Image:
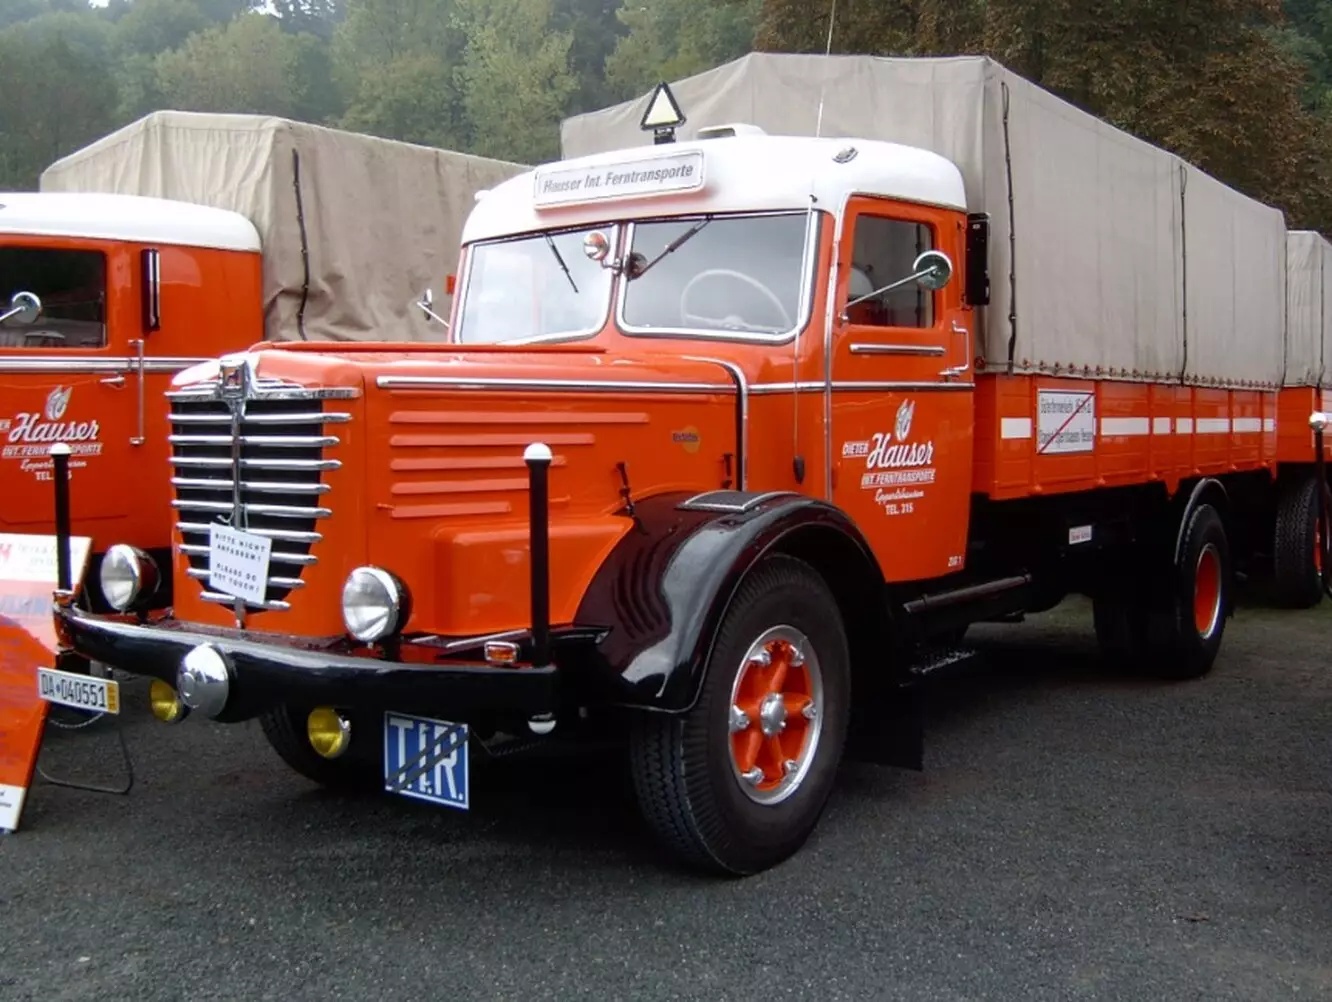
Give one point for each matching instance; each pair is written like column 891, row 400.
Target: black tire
column 1151, row 626
column 358, row 768
column 682, row 767
column 1296, row 581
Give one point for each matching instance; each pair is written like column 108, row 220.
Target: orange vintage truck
column 174, row 240
column 730, row 438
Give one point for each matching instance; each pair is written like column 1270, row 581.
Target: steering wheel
column 732, row 321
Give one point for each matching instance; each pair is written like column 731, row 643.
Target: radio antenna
column 823, row 85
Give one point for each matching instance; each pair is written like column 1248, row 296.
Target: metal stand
column 60, row 453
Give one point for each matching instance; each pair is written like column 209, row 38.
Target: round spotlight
column 165, row 703
column 329, row 732
column 127, row 575
column 373, row 604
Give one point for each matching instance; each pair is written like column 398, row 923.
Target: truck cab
column 103, row 298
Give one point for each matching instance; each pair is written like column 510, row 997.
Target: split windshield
column 719, row 275
column 71, row 285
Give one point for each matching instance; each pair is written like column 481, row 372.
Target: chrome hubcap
column 774, row 718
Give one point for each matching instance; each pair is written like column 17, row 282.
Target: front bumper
column 263, row 675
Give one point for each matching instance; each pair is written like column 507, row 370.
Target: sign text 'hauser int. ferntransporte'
column 658, row 175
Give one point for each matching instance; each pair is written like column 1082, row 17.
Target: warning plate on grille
column 238, row 562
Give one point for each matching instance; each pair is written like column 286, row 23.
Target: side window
column 883, row 253
column 71, row 285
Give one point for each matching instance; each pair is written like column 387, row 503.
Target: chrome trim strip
column 271, row 441
column 290, row 465
column 231, row 600
column 742, row 385
column 202, row 573
column 312, row 417
column 874, row 348
column 276, row 557
column 205, row 391
column 287, row 535
column 93, row 364
column 810, row 386
column 272, row 510
column 258, row 486
column 543, row 385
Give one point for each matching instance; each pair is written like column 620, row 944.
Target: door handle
column 954, row 371
column 117, row 380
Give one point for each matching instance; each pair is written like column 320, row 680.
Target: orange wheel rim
column 775, row 715
column 1207, row 592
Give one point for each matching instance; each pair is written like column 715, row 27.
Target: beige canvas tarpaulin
column 380, row 220
column 1308, row 308
column 1091, row 252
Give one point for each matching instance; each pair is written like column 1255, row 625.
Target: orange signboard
column 27, row 641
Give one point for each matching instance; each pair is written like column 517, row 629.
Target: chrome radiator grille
column 259, row 468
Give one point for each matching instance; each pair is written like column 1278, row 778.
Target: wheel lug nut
column 809, row 712
column 788, row 766
column 754, row 776
column 739, row 720
column 797, row 657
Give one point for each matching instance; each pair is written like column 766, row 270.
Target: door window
column 71, row 285
column 883, row 252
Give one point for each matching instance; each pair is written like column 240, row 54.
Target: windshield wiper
column 558, row 257
column 671, row 247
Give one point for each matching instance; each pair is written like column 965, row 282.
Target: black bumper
column 267, row 674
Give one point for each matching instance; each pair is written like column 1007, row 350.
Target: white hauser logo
column 32, row 433
column 893, row 462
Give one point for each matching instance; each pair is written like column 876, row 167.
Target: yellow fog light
column 165, row 704
column 329, row 732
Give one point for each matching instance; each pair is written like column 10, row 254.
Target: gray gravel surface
column 1073, row 836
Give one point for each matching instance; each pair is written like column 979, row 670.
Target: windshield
column 71, row 285
column 737, row 274
column 537, row 288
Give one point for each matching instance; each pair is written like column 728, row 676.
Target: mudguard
column 662, row 593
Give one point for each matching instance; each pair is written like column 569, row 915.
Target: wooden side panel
column 1043, row 435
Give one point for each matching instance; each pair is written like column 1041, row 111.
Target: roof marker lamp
column 128, row 576
column 374, row 604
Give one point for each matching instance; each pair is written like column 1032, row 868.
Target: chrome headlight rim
column 141, row 576
column 394, row 599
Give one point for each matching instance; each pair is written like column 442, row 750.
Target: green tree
column 247, row 65
column 153, row 26
column 676, row 38
column 515, row 76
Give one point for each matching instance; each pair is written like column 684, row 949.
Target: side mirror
column 24, row 308
column 934, row 269
column 427, row 306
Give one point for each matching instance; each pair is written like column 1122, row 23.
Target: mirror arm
column 425, row 308
column 13, row 312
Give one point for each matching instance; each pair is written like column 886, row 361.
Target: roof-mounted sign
column 672, row 174
column 663, row 115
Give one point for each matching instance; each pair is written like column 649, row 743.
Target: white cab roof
column 133, row 218
column 742, row 173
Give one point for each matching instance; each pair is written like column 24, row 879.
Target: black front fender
column 663, row 591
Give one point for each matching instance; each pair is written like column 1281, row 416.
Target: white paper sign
column 33, row 558
column 659, row 175
column 238, row 562
column 1065, row 421
column 11, row 806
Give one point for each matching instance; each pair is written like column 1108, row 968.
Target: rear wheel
column 738, row 783
column 358, row 768
column 1170, row 624
column 1296, row 554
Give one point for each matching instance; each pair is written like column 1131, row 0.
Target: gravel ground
column 1073, row 836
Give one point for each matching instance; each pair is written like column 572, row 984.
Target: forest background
column 1242, row 88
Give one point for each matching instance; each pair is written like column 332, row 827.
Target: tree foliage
column 1243, row 88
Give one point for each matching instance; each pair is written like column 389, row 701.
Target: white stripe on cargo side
column 1269, row 424
column 1248, row 425
column 1184, row 426
column 1015, row 427
column 1213, row 426
column 1125, row 426
column 1161, row 426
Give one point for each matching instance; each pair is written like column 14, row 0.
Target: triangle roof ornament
column 662, row 115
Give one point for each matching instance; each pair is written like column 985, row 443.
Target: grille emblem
column 236, row 379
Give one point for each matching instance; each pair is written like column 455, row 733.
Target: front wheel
column 738, row 783
column 358, row 768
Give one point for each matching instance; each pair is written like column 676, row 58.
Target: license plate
column 82, row 692
column 426, row 759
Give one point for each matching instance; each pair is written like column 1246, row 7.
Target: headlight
column 373, row 604
column 127, row 575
